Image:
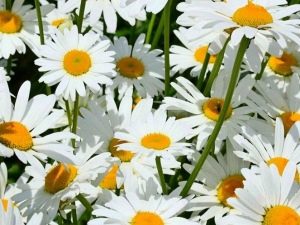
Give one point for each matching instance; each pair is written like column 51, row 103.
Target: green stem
column 150, row 28
column 8, row 4
column 215, row 69
column 158, row 32
column 75, row 117
column 161, row 175
column 167, row 15
column 203, row 70
column 85, row 203
column 9, row 65
column 211, row 141
column 60, row 220
column 81, row 15
column 263, row 67
column 68, row 113
column 74, row 216
column 40, row 21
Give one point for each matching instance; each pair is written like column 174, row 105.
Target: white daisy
column 151, row 6
column 60, row 182
column 18, row 27
column 219, row 178
column 142, row 208
column 139, row 67
column 266, row 199
column 264, row 22
column 22, row 126
column 205, row 111
column 258, row 149
column 156, row 135
column 74, row 60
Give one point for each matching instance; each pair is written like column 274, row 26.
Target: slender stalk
column 158, row 32
column 68, row 114
column 75, row 117
column 167, row 14
column 215, row 69
column 203, row 70
column 81, row 15
column 60, row 220
column 85, row 203
column 161, row 175
column 150, row 28
column 9, row 65
column 211, row 141
column 8, row 4
column 263, row 67
column 40, row 21
column 74, row 216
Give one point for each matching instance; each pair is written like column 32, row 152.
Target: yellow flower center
column 15, row 135
column 200, row 54
column 212, row 108
column 109, row 181
column 60, row 177
column 288, row 119
column 123, row 155
column 130, row 67
column 9, row 22
column 252, row 15
column 4, row 204
column 281, row 163
column 58, row 22
column 283, row 65
column 156, row 141
column 227, row 187
column 146, row 218
column 281, row 215
column 77, row 62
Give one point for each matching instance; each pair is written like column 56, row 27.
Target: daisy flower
column 219, row 177
column 271, row 102
column 60, row 182
column 18, row 27
column 74, row 60
column 153, row 6
column 142, row 208
column 139, row 67
column 156, row 135
column 263, row 22
column 205, row 110
column 22, row 126
column 267, row 198
column 190, row 56
column 258, row 149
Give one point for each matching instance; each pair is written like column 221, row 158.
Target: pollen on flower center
column 15, row 135
column 200, row 54
column 60, row 177
column 146, row 218
column 109, row 181
column 130, row 67
column 77, row 62
column 288, row 119
column 212, row 108
column 252, row 15
column 283, row 65
column 156, row 141
column 123, row 155
column 227, row 187
column 4, row 204
column 10, row 22
column 281, row 215
column 58, row 22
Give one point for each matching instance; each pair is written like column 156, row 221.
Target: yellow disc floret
column 200, row 54
column 281, row 215
column 156, row 141
column 130, row 67
column 77, row 62
column 10, row 22
column 109, row 181
column 60, row 177
column 252, row 15
column 4, row 204
column 58, row 22
column 212, row 108
column 123, row 155
column 283, row 65
column 146, row 218
column 226, row 188
column 288, row 119
column 15, row 135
